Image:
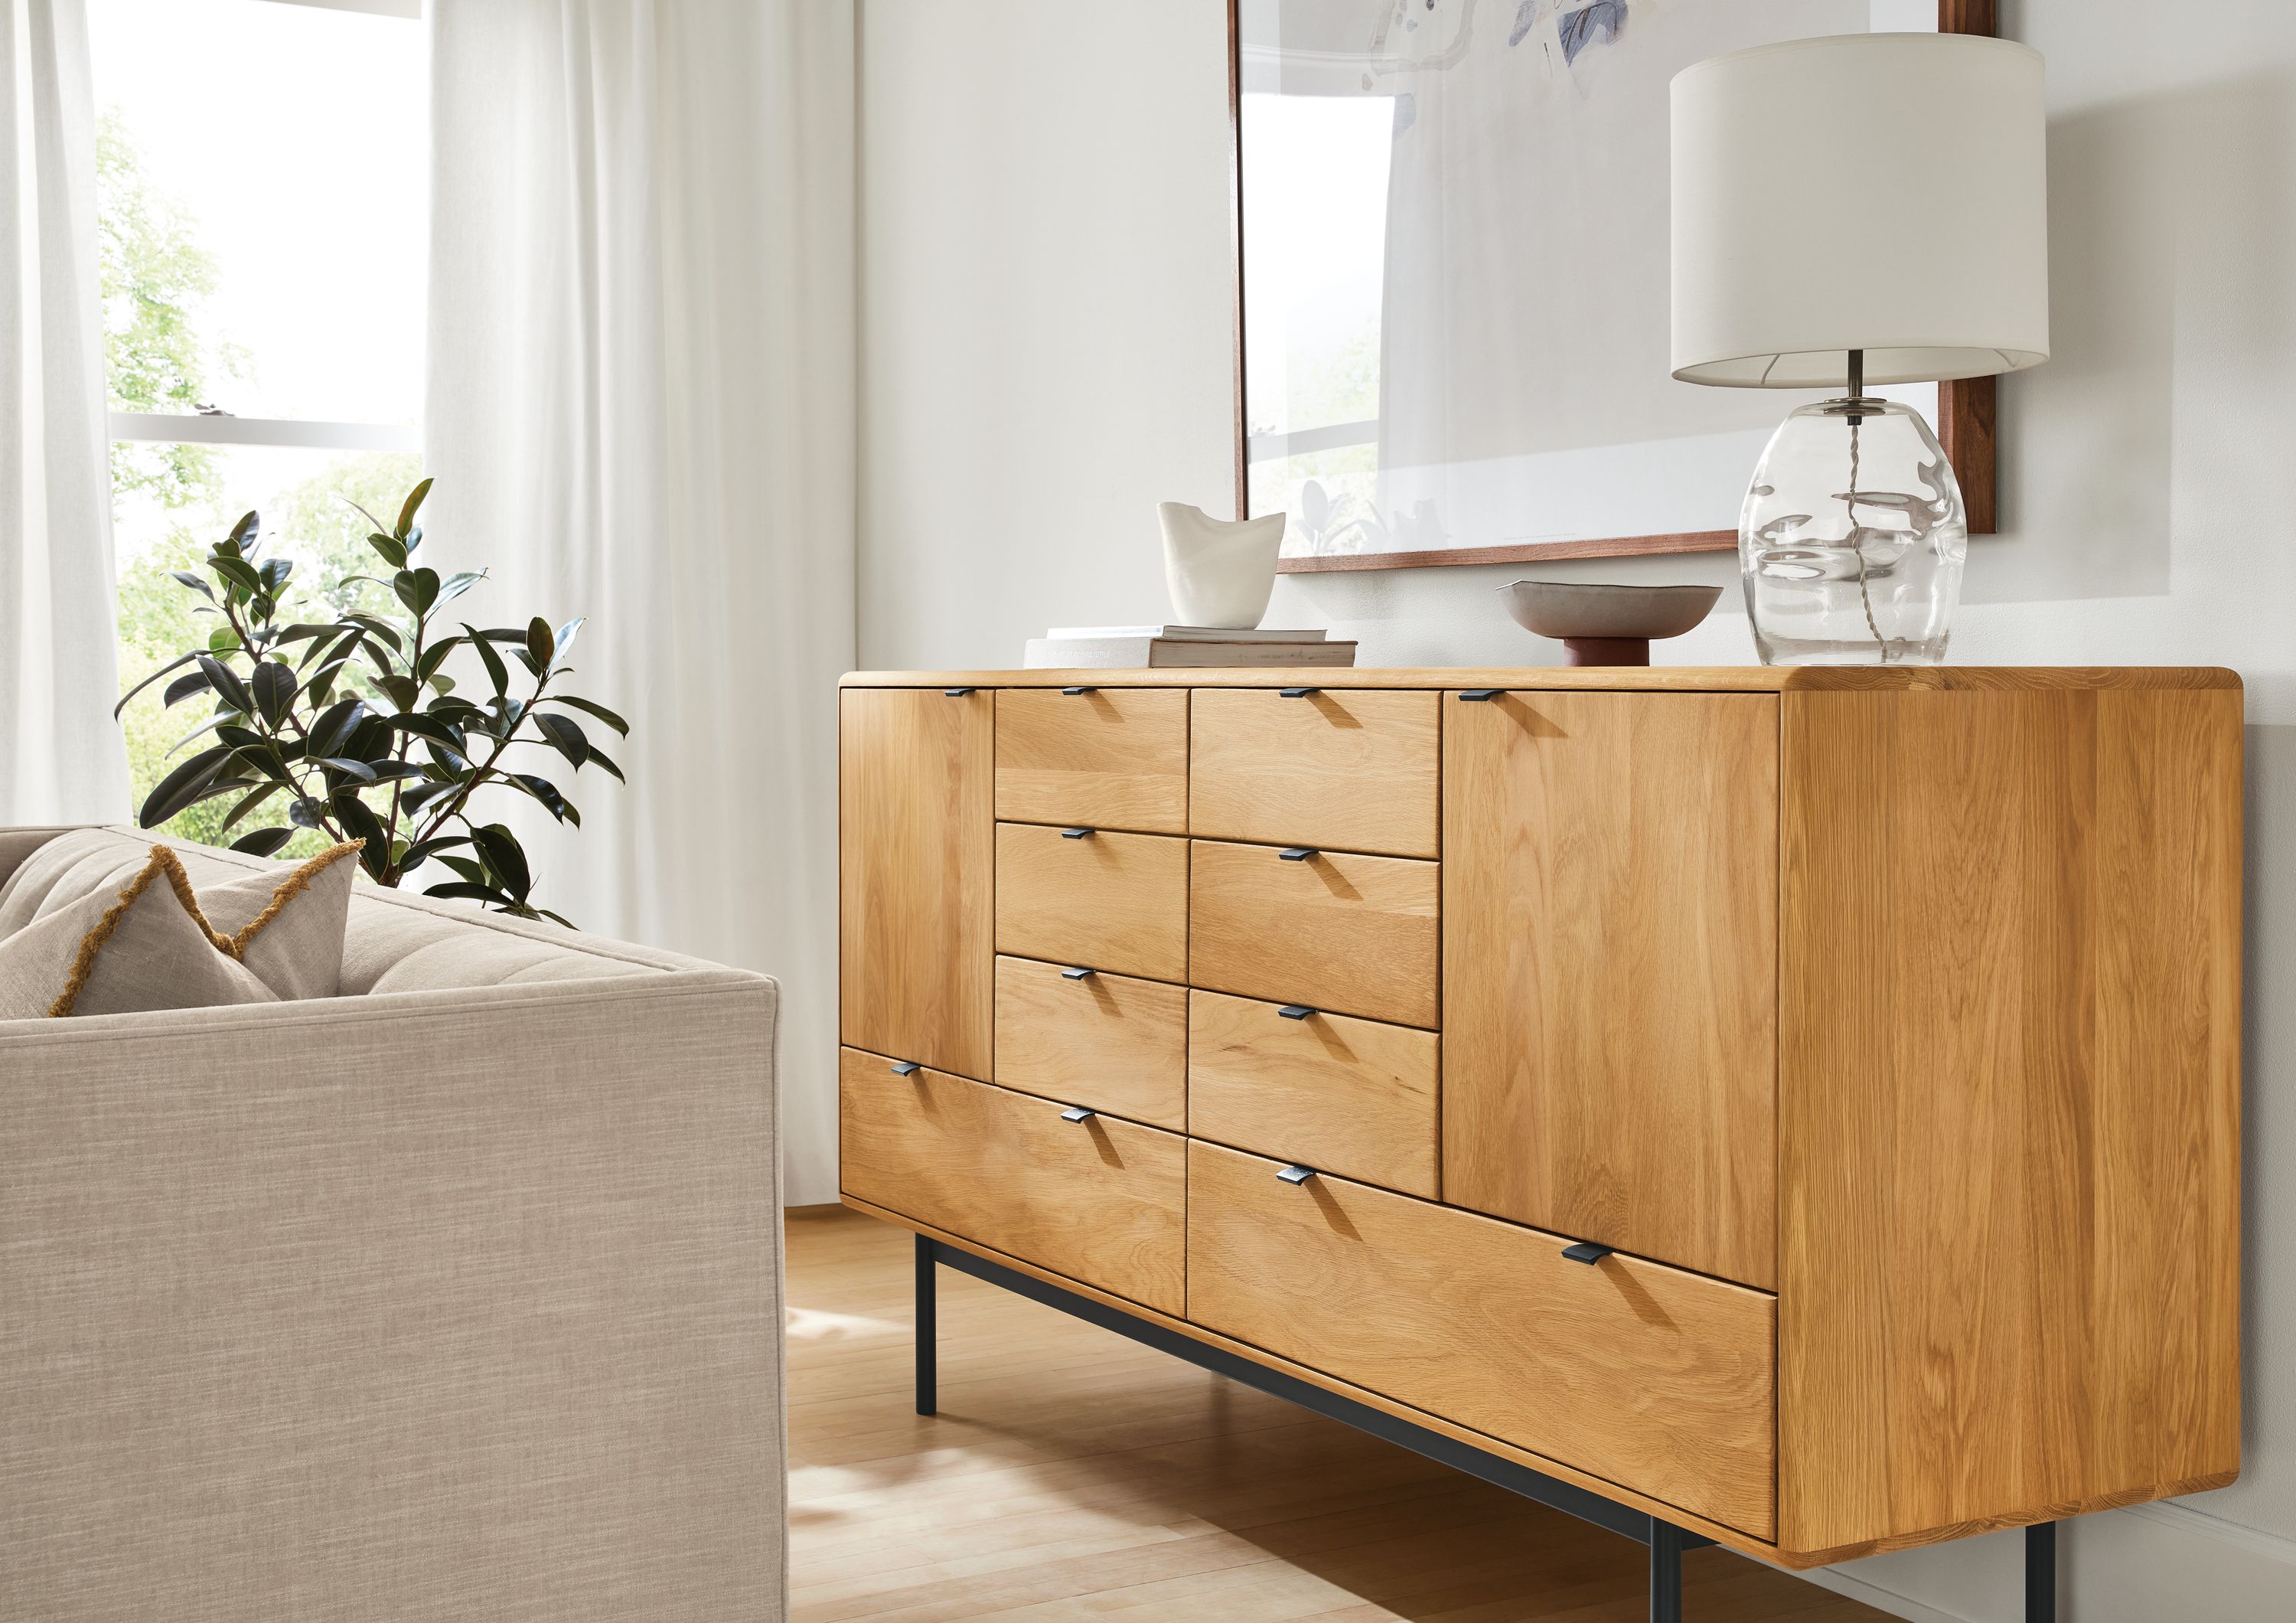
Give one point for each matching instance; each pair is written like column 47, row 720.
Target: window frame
column 223, row 428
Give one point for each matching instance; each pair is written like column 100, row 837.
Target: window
column 262, row 207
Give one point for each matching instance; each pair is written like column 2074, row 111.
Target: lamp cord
column 1865, row 593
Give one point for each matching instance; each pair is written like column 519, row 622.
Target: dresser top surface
column 1683, row 678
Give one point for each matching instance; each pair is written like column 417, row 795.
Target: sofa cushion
column 287, row 925
column 144, row 946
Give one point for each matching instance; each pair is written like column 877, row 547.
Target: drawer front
column 1111, row 757
column 1352, row 769
column 1659, row 1380
column 1353, row 934
column 1113, row 901
column 1100, row 1200
column 1342, row 1095
column 1107, row 1040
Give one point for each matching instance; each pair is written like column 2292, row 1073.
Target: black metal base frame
column 1665, row 1540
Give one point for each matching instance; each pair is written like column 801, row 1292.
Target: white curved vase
column 1220, row 572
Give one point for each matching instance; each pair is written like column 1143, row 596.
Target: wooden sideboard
column 1803, row 1105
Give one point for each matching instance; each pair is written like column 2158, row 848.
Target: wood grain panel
column 2010, row 1093
column 1101, row 1201
column 1108, row 1041
column 1114, row 902
column 1350, row 770
column 1609, row 970
column 1347, row 1096
column 1649, row 1377
column 1110, row 757
column 1354, row 935
column 916, row 865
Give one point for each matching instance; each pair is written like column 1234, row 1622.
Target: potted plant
column 357, row 723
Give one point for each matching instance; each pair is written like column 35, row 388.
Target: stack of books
column 1154, row 648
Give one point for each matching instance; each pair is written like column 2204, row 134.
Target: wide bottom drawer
column 1659, row 1380
column 1099, row 1200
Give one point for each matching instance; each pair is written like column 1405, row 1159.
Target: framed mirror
column 1451, row 279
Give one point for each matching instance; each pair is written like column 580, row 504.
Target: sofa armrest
column 427, row 1305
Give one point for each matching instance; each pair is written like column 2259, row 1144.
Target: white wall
column 1045, row 356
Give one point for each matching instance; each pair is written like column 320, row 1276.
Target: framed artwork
column 1451, row 279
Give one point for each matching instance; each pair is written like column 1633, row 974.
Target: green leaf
column 360, row 824
column 381, row 629
column 182, row 786
column 263, row 842
column 541, row 643
column 566, row 736
column 228, row 687
column 505, row 858
column 332, row 725
column 430, row 728
column 414, row 800
column 565, row 638
column 458, row 584
column 183, row 688
column 413, row 505
column 497, row 673
column 274, row 688
column 194, row 583
column 147, row 681
column 203, row 727
column 474, row 872
column 546, row 792
column 244, row 533
column 262, row 794
column 469, row 892
column 417, row 588
column 349, row 767
column 434, row 656
column 392, row 552
column 307, row 813
column 236, row 571
column 274, row 573
column 599, row 757
column 402, row 690
column 588, row 708
column 223, row 640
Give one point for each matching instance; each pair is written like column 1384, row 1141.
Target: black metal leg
column 1665, row 1573
column 928, row 1375
column 2041, row 1573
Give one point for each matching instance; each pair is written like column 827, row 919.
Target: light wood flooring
column 1072, row 1473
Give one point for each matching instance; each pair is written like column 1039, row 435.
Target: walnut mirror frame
column 1618, row 461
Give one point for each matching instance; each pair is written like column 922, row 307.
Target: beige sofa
column 457, row 1296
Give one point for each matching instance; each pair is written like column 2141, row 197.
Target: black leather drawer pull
column 1076, row 1113
column 906, row 1068
column 1297, row 693
column 1075, row 834
column 1077, row 973
column 1073, row 692
column 1476, row 695
column 1298, row 854
column 1296, row 1175
column 958, row 692
column 1585, row 1251
column 1295, row 1011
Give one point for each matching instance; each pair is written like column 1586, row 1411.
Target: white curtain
column 62, row 759
column 641, row 410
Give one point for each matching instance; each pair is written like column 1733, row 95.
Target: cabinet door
column 917, row 868
column 1609, row 970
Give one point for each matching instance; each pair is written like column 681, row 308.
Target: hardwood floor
column 1074, row 1474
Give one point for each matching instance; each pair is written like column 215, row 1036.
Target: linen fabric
column 641, row 409
column 61, row 754
column 287, row 926
column 144, row 947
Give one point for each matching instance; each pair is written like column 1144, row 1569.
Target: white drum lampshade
column 1875, row 192
column 1865, row 209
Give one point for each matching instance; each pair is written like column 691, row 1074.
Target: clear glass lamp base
column 1852, row 541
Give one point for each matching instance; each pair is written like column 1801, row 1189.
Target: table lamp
column 1857, row 209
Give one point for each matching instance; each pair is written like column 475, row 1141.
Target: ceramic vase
column 1220, row 572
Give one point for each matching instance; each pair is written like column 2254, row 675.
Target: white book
column 1184, row 633
column 1172, row 653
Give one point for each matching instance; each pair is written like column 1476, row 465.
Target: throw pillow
column 288, row 926
column 146, row 947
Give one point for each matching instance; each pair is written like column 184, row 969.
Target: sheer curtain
column 641, row 410
column 62, row 759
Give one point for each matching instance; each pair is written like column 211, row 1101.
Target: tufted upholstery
column 396, row 942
